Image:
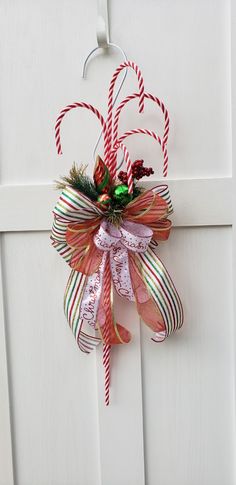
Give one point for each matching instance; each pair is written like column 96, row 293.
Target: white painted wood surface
column 172, row 417
column 214, row 204
column 6, row 463
column 192, row 399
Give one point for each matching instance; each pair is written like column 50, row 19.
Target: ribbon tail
column 163, row 293
column 83, row 333
column 119, row 262
column 111, row 332
column 146, row 306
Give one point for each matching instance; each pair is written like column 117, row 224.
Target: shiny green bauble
column 121, row 194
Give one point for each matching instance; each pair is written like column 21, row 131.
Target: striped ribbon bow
column 83, row 238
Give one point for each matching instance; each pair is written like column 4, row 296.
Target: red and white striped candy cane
column 106, row 344
column 107, row 368
column 108, row 142
column 147, row 96
column 70, row 107
column 127, row 159
column 145, row 132
column 166, row 127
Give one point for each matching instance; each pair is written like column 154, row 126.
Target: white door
column 172, row 415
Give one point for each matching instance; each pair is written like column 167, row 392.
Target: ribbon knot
column 130, row 236
column 133, row 236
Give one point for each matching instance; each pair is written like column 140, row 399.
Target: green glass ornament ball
column 121, row 194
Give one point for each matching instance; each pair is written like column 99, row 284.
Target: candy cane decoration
column 128, row 162
column 66, row 110
column 112, row 143
column 166, row 159
column 108, row 143
column 107, row 367
column 106, row 345
column 147, row 96
column 145, row 132
column 166, row 127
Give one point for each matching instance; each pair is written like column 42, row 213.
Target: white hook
column 103, row 24
column 104, row 43
column 114, row 46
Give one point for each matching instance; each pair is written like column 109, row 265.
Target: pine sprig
column 137, row 190
column 78, row 179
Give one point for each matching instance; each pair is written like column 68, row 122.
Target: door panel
column 172, row 417
column 52, row 384
column 188, row 383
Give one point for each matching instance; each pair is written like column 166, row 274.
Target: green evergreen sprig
column 78, row 179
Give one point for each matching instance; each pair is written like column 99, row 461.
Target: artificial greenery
column 137, row 191
column 78, row 179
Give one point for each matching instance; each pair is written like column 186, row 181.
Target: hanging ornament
column 101, row 176
column 104, row 200
column 114, row 247
column 121, row 194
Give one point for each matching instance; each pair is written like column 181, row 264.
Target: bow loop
column 107, row 236
column 135, row 237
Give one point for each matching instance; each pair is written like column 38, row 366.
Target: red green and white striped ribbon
column 163, row 192
column 73, row 206
column 163, row 292
column 83, row 332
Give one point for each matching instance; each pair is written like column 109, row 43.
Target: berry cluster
column 138, row 172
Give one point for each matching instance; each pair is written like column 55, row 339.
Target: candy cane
column 148, row 96
column 108, row 142
column 145, row 132
column 107, row 367
column 127, row 159
column 106, row 345
column 166, row 127
column 63, row 113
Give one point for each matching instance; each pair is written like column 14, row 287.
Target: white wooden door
column 172, row 416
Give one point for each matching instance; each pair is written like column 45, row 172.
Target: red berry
column 122, row 176
column 138, row 171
